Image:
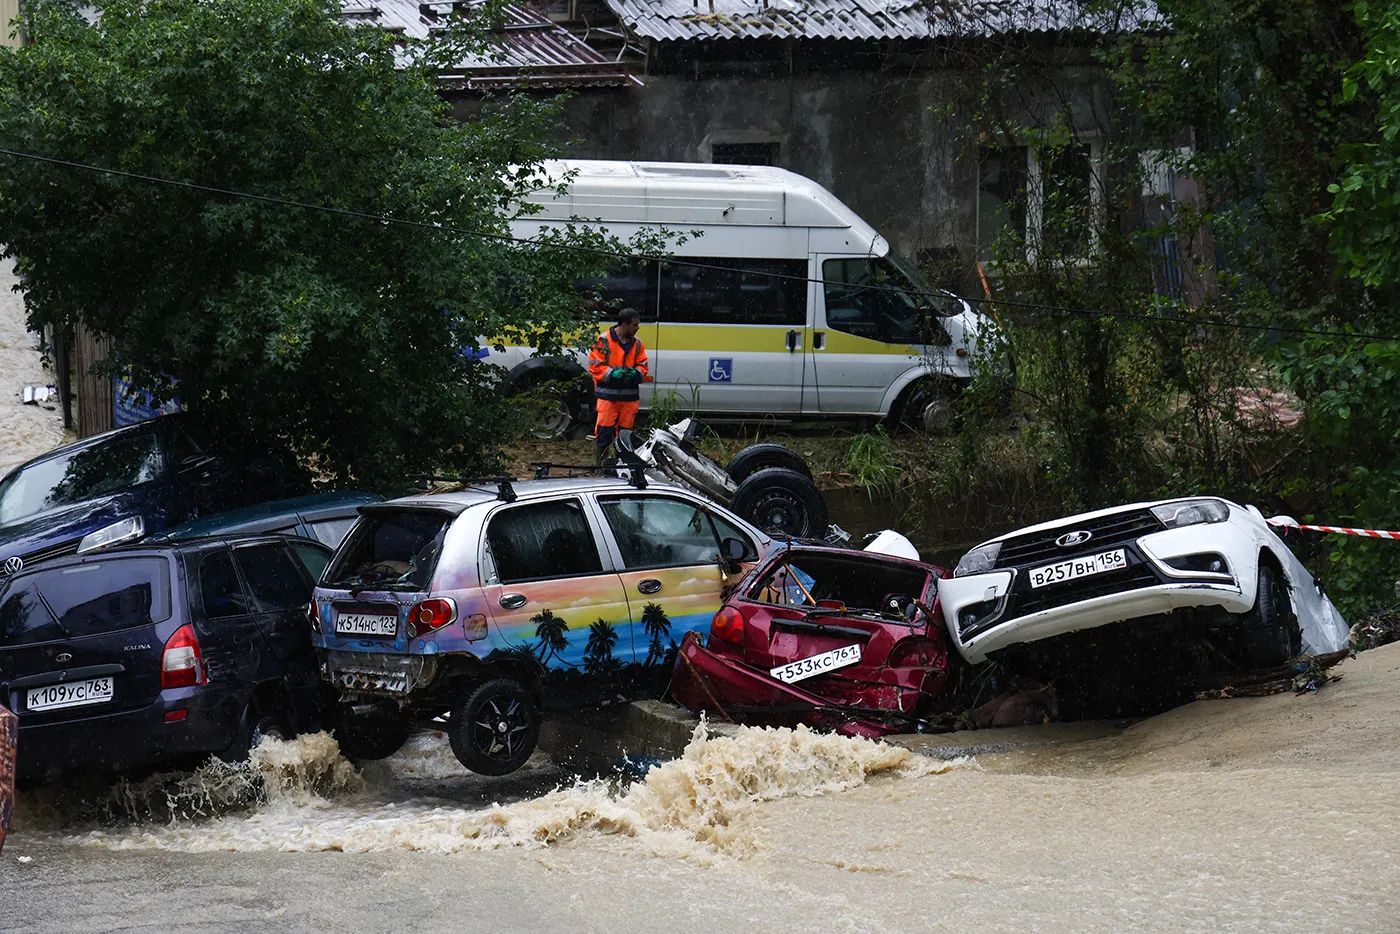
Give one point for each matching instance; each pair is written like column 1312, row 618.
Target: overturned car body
column 842, row 639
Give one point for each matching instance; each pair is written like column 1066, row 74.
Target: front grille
column 1133, row 577
column 1111, row 531
column 53, row 551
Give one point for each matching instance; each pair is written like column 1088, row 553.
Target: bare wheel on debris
column 757, row 457
column 494, row 727
column 1270, row 633
column 783, row 501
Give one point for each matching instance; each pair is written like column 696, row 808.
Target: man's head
column 628, row 321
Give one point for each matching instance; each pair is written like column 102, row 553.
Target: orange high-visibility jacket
column 607, row 354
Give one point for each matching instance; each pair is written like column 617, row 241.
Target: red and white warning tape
column 1288, row 522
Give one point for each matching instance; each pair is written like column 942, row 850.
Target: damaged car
column 836, row 638
column 1158, row 590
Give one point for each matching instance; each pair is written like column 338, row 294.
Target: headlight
column 127, row 530
column 982, row 558
column 1191, row 512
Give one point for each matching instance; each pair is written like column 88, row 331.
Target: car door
column 667, row 549
column 280, row 588
column 233, row 646
column 549, row 589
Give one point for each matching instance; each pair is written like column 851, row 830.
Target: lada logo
column 1070, row 539
column 14, row 565
column 63, row 657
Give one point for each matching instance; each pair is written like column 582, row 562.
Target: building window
column 744, row 153
column 1050, row 197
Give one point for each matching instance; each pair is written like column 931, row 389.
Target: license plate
column 1075, row 568
column 366, row 624
column 73, row 694
column 815, row 665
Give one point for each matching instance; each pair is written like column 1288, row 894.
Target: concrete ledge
column 593, row 740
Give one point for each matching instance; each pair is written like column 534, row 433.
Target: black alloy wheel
column 494, row 727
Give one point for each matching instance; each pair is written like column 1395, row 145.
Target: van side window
column 633, row 286
column 871, row 298
column 739, row 291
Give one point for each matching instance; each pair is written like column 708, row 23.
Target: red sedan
column 832, row 637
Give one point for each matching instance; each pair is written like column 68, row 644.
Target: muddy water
column 1272, row 814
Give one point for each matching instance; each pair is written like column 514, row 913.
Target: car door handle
column 514, row 601
column 648, row 586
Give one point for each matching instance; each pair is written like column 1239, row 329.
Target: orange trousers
column 613, row 414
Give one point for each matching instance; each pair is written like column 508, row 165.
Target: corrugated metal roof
column 528, row 47
column 861, row 19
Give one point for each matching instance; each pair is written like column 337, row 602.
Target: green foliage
column 337, row 338
column 871, row 461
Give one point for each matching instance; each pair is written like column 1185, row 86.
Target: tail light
column 429, row 616
column 312, row 619
column 918, row 653
column 182, row 663
column 728, row 626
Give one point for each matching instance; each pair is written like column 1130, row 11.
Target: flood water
column 1271, row 814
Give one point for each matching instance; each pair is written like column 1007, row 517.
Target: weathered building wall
column 882, row 142
column 9, row 9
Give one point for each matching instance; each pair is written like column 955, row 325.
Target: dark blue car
column 323, row 517
column 119, row 486
column 157, row 654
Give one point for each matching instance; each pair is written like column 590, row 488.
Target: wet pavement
column 25, row 430
column 1267, row 814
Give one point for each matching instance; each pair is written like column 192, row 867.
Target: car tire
column 566, row 415
column 928, row 406
column 494, row 727
column 253, row 726
column 756, row 457
column 1269, row 632
column 783, row 501
column 366, row 737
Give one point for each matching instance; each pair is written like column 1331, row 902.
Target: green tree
column 338, row 338
column 598, row 653
column 550, row 629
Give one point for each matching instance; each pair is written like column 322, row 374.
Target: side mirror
column 731, row 552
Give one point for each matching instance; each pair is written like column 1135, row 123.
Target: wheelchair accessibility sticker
column 721, row 371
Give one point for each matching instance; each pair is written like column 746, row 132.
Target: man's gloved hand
column 626, row 375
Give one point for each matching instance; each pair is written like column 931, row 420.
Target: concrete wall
column 880, row 140
column 9, row 9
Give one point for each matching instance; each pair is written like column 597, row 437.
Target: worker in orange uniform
column 618, row 365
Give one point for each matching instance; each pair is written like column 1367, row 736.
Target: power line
column 674, row 261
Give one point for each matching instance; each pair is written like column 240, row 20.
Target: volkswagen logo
column 1070, row 539
column 14, row 565
column 63, row 657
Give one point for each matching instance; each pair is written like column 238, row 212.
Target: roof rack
column 633, row 471
column 504, row 491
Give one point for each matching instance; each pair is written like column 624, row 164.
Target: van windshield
column 389, row 550
column 873, row 297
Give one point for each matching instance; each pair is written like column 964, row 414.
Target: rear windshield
column 84, row 600
column 860, row 584
column 87, row 474
column 389, row 550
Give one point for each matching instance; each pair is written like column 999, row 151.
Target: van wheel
column 784, row 501
column 756, row 457
column 929, row 406
column 1270, row 634
column 370, row 736
column 494, row 727
column 565, row 411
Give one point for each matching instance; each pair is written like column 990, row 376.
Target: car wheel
column 494, row 727
column 562, row 414
column 252, row 729
column 370, row 736
column 929, row 406
column 756, row 457
column 784, row 501
column 1270, row 634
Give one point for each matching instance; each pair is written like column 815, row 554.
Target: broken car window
column 858, row 584
column 390, row 550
